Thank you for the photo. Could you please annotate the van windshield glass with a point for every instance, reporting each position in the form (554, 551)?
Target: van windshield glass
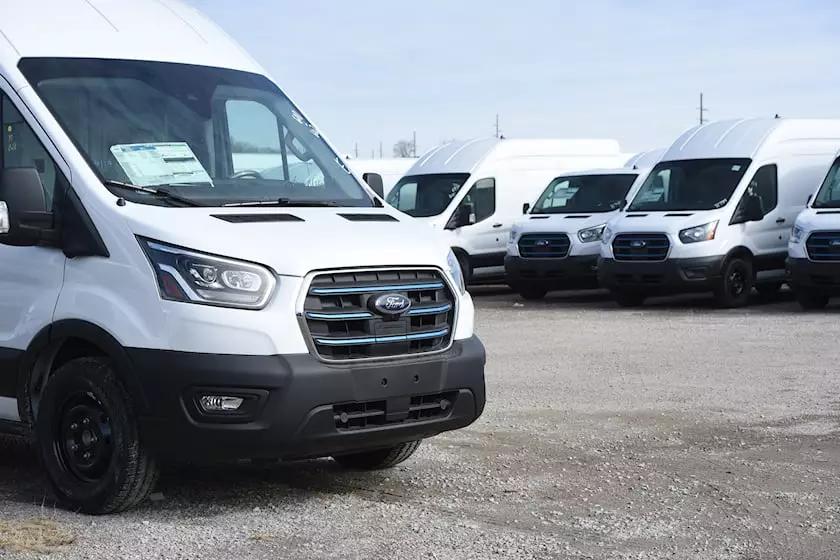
(829, 193)
(692, 184)
(584, 193)
(423, 196)
(214, 136)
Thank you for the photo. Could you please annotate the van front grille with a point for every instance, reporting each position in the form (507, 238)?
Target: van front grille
(641, 247)
(823, 246)
(544, 245)
(345, 324)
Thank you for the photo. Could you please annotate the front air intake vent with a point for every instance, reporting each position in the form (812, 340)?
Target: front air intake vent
(257, 218)
(369, 217)
(577, 217)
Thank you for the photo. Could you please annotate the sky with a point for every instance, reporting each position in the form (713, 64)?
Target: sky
(377, 71)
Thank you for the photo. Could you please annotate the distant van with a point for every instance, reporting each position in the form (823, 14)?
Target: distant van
(473, 191)
(387, 170)
(715, 214)
(556, 245)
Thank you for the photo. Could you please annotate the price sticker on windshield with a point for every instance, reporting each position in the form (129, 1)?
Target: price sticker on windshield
(166, 163)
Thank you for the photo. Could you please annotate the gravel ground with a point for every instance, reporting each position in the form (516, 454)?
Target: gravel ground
(673, 431)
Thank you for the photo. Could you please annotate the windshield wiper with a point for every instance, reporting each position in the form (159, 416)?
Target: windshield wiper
(163, 193)
(284, 202)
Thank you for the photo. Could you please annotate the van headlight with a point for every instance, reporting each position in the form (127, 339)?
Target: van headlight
(591, 234)
(796, 234)
(706, 232)
(455, 271)
(193, 277)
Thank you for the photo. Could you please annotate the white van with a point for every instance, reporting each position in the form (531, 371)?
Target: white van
(387, 170)
(716, 212)
(557, 244)
(161, 303)
(474, 190)
(813, 263)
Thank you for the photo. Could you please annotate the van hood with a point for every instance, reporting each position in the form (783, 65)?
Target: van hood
(812, 219)
(294, 241)
(663, 222)
(561, 223)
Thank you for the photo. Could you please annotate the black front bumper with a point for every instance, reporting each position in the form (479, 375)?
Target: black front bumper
(673, 276)
(299, 407)
(562, 273)
(820, 278)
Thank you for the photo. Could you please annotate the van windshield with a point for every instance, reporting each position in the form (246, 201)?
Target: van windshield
(691, 184)
(584, 193)
(829, 194)
(423, 196)
(211, 135)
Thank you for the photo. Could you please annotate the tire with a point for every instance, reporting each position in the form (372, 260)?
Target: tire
(532, 293)
(736, 282)
(768, 289)
(812, 302)
(85, 406)
(378, 459)
(628, 299)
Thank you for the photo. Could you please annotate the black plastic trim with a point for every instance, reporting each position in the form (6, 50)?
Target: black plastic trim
(9, 364)
(257, 218)
(79, 236)
(369, 217)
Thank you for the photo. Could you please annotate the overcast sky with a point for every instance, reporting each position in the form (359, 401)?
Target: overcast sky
(371, 71)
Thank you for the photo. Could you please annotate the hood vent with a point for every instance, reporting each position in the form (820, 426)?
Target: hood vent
(678, 215)
(257, 218)
(828, 211)
(539, 217)
(636, 215)
(577, 217)
(369, 217)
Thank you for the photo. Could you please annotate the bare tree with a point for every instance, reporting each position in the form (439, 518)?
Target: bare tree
(404, 148)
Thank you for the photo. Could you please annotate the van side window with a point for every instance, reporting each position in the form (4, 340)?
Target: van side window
(482, 196)
(765, 185)
(22, 148)
(256, 145)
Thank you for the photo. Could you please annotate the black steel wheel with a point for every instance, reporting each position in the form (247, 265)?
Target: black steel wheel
(736, 283)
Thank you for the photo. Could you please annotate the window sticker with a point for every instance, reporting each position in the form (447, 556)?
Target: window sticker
(165, 163)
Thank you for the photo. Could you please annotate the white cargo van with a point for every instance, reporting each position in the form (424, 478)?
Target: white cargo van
(556, 245)
(388, 170)
(813, 263)
(716, 212)
(161, 303)
(474, 190)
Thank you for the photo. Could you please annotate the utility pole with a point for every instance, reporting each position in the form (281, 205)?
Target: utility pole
(703, 110)
(380, 150)
(498, 130)
(414, 144)
(357, 150)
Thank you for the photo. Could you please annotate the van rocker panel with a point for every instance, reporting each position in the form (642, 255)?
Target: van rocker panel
(671, 276)
(298, 407)
(563, 273)
(820, 278)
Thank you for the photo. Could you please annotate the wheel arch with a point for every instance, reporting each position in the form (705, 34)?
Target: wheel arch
(61, 342)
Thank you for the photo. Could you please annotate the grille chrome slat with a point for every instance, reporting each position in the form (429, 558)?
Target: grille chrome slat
(544, 245)
(343, 325)
(823, 246)
(641, 247)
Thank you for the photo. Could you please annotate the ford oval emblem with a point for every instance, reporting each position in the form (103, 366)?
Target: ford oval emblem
(637, 244)
(834, 243)
(391, 304)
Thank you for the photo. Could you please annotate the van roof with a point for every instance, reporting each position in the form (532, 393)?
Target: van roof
(465, 156)
(743, 138)
(647, 158)
(160, 30)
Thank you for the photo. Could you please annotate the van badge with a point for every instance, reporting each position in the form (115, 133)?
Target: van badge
(391, 304)
(637, 244)
(834, 243)
(541, 242)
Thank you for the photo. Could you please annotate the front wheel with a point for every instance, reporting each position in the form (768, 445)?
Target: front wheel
(378, 459)
(532, 293)
(87, 438)
(735, 284)
(812, 302)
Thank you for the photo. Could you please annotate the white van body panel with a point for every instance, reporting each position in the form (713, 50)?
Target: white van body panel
(521, 169)
(801, 149)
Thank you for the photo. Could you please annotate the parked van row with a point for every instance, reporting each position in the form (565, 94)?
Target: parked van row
(723, 210)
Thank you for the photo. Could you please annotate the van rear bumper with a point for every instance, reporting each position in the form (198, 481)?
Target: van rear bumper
(672, 276)
(820, 278)
(298, 407)
(567, 273)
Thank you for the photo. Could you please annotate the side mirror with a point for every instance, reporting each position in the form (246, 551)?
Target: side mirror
(753, 210)
(463, 216)
(375, 182)
(23, 214)
(526, 207)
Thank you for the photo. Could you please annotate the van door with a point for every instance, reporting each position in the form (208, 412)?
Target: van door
(482, 238)
(30, 277)
(766, 238)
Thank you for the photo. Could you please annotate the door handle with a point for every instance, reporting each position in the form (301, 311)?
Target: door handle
(780, 220)
(497, 225)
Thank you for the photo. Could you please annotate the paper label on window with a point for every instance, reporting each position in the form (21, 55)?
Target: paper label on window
(163, 163)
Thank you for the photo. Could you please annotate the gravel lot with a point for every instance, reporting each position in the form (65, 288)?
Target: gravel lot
(674, 431)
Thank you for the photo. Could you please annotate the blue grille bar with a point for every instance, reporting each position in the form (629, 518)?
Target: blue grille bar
(363, 289)
(382, 339)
